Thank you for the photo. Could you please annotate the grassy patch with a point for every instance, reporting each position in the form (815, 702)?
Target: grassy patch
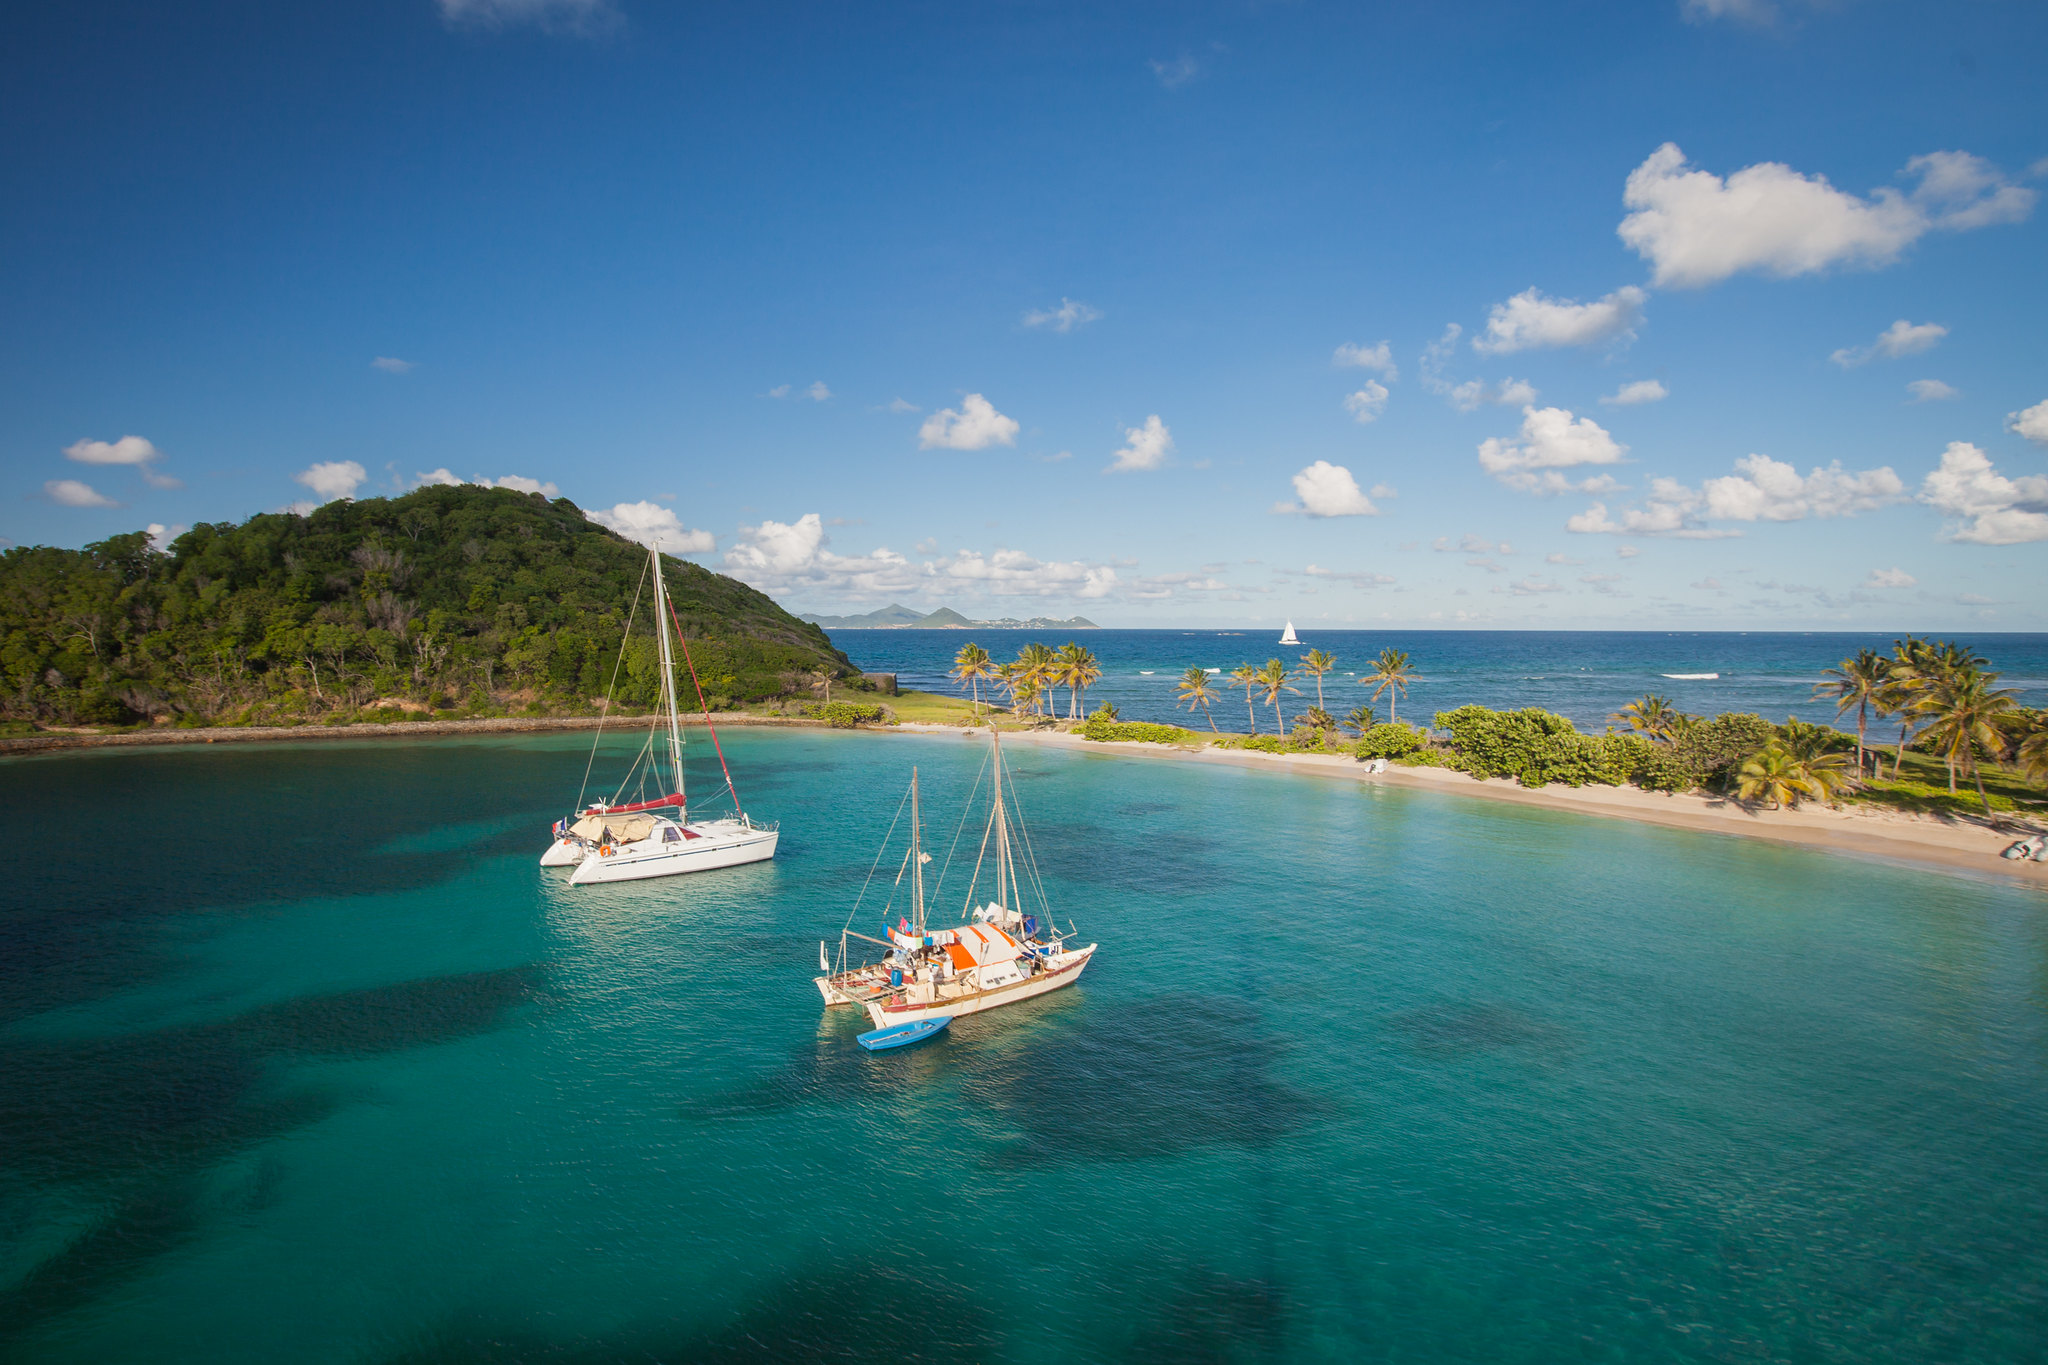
(932, 708)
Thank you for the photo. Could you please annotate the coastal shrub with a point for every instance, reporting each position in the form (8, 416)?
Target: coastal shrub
(1649, 765)
(1389, 740)
(1265, 744)
(1712, 750)
(845, 715)
(1104, 731)
(1532, 746)
(1105, 713)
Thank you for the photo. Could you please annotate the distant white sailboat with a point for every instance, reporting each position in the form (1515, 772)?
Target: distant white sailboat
(623, 841)
(1288, 638)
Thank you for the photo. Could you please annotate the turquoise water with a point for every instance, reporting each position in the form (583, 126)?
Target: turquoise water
(302, 1057)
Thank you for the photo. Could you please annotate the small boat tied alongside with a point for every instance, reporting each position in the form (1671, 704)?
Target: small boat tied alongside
(624, 840)
(997, 955)
(903, 1035)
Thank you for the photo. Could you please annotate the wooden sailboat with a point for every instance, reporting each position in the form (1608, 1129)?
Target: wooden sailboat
(997, 956)
(621, 841)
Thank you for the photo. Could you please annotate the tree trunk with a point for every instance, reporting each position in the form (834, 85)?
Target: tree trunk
(1860, 722)
(1319, 693)
(1211, 717)
(1977, 771)
(1250, 714)
(1279, 721)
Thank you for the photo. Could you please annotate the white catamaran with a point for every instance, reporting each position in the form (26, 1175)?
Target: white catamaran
(623, 841)
(1287, 637)
(997, 956)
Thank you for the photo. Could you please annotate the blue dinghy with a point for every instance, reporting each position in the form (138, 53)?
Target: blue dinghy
(903, 1035)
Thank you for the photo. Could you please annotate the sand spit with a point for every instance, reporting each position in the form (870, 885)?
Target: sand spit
(1860, 831)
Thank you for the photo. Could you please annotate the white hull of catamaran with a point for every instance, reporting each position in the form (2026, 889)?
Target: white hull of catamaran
(885, 1014)
(564, 853)
(718, 846)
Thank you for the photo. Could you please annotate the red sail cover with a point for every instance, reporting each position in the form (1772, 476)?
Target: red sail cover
(673, 799)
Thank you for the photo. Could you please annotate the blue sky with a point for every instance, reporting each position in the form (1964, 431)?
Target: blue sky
(1696, 313)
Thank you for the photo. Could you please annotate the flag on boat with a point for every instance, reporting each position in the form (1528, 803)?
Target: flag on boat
(903, 925)
(823, 965)
(561, 828)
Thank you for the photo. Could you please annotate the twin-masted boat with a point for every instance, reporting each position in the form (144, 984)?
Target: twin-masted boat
(999, 955)
(623, 840)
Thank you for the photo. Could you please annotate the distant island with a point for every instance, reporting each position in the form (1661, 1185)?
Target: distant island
(896, 616)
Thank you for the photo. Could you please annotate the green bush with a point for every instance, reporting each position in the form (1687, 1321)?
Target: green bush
(845, 715)
(1532, 746)
(1390, 740)
(1711, 750)
(1265, 744)
(1104, 730)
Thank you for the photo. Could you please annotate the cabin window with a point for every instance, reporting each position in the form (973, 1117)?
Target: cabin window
(671, 835)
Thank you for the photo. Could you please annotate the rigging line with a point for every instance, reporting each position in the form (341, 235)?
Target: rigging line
(646, 752)
(716, 748)
(987, 830)
(1030, 856)
(613, 687)
(877, 863)
(966, 809)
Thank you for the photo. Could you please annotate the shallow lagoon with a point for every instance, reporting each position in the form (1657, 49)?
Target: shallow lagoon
(323, 1067)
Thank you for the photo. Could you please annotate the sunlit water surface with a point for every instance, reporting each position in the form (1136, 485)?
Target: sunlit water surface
(302, 1057)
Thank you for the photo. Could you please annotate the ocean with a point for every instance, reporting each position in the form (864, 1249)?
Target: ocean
(303, 1058)
(1585, 675)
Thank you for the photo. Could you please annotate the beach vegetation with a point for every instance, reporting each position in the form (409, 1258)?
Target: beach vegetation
(1390, 740)
(1193, 690)
(846, 715)
(1105, 730)
(1781, 774)
(1857, 684)
(1075, 669)
(1391, 673)
(1316, 663)
(971, 666)
(1272, 681)
(1649, 715)
(1359, 721)
(1246, 676)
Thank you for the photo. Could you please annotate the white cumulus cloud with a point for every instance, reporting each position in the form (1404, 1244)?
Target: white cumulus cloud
(1982, 505)
(441, 476)
(1696, 228)
(72, 493)
(132, 451)
(332, 479)
(1902, 338)
(1530, 320)
(817, 392)
(651, 523)
(518, 483)
(1552, 439)
(2031, 423)
(161, 536)
(1144, 447)
(785, 557)
(1070, 314)
(390, 364)
(1328, 490)
(976, 426)
(587, 17)
(1379, 358)
(1641, 391)
(1931, 391)
(1367, 403)
(1761, 489)
(1890, 578)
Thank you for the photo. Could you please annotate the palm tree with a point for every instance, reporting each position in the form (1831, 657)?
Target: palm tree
(2033, 755)
(970, 666)
(1966, 708)
(1360, 719)
(1779, 777)
(1078, 671)
(1319, 720)
(1859, 682)
(1390, 672)
(1040, 667)
(1194, 691)
(1650, 715)
(1316, 663)
(1247, 677)
(1272, 681)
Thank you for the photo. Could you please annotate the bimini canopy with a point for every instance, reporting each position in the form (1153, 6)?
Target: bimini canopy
(982, 945)
(625, 829)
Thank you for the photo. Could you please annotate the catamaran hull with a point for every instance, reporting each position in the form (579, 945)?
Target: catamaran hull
(695, 855)
(885, 1014)
(564, 853)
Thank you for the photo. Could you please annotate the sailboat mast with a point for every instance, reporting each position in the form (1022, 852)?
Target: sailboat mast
(916, 859)
(668, 671)
(1002, 828)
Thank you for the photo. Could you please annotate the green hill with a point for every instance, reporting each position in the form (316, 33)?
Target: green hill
(482, 599)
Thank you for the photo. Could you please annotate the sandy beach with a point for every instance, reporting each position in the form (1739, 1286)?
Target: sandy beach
(1958, 845)
(1858, 831)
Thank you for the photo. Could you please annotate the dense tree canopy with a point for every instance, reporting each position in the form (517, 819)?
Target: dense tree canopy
(447, 597)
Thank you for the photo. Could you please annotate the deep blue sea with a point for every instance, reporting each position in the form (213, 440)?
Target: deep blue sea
(303, 1058)
(1585, 675)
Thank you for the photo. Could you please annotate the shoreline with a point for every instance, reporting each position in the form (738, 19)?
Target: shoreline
(1894, 836)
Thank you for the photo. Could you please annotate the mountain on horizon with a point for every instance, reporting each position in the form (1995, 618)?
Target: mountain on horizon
(896, 616)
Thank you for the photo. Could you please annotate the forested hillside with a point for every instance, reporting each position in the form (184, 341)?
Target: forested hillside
(465, 598)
